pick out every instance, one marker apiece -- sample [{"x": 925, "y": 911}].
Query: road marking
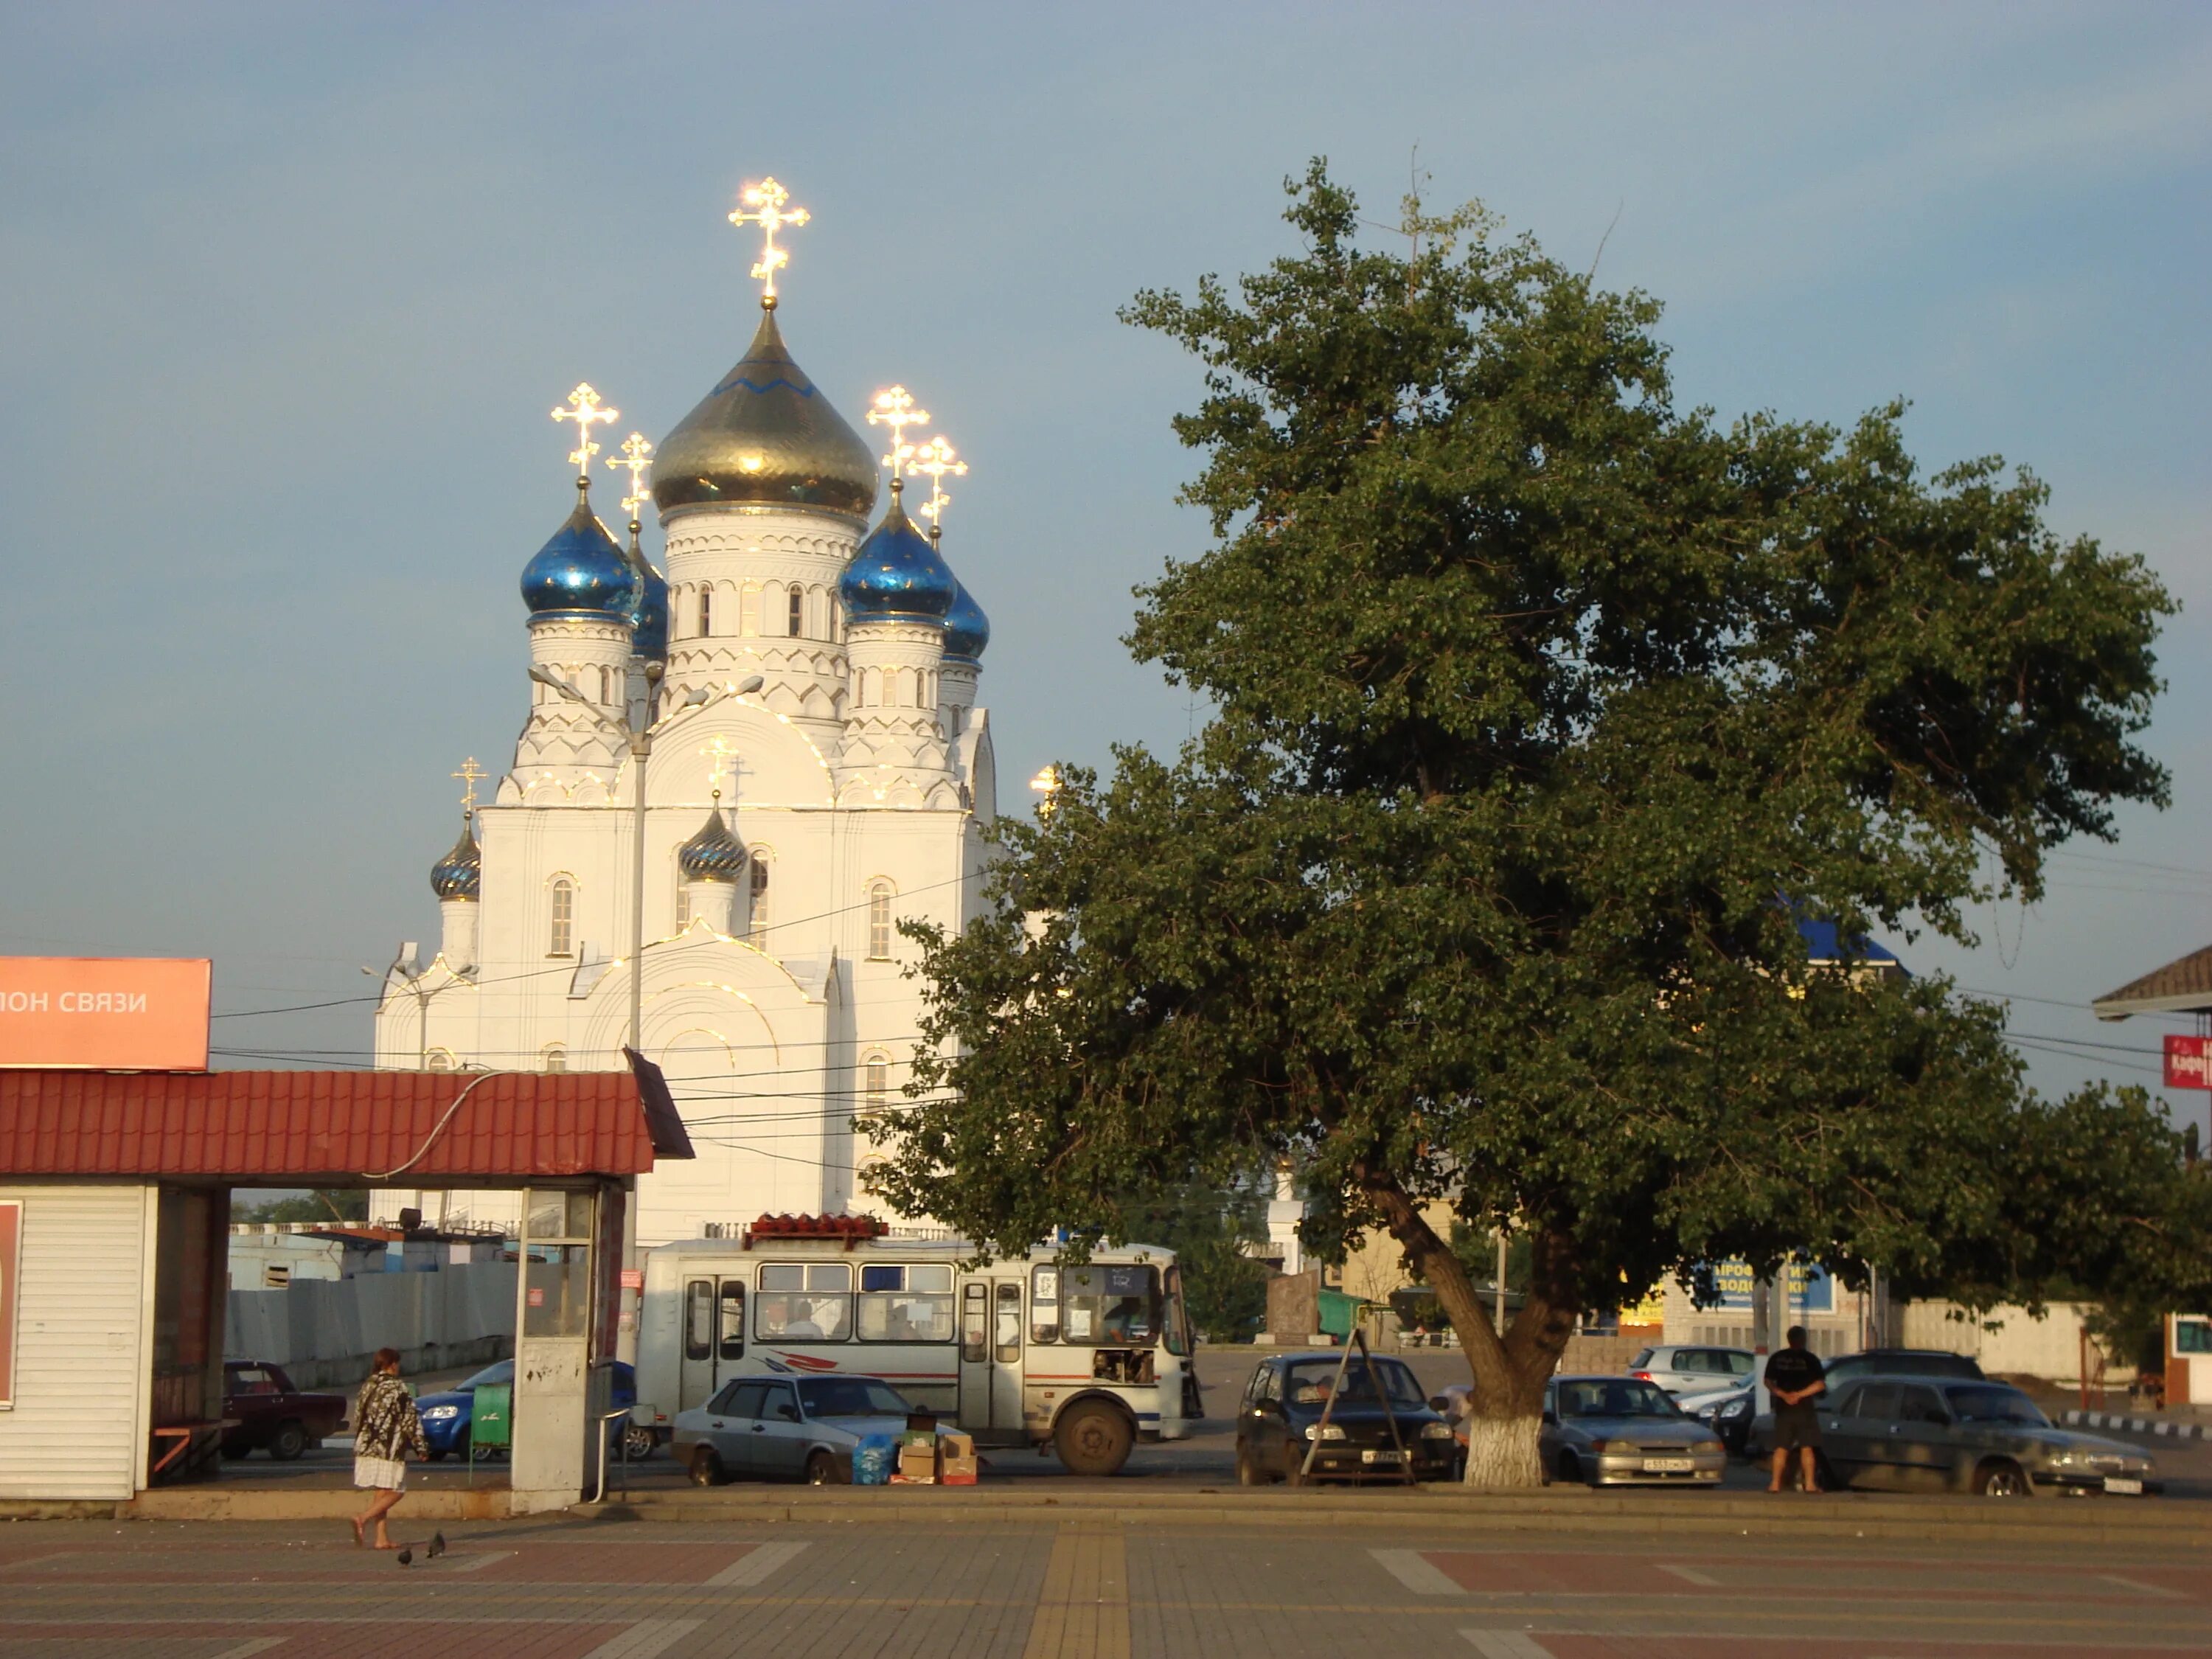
[
  {"x": 256, "y": 1644},
  {"x": 1693, "y": 1576},
  {"x": 1083, "y": 1609},
  {"x": 1506, "y": 1644},
  {"x": 763, "y": 1560},
  {"x": 2141, "y": 1589},
  {"x": 1418, "y": 1573},
  {"x": 644, "y": 1639}
]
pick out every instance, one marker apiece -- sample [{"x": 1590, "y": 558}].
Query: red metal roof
[{"x": 252, "y": 1127}]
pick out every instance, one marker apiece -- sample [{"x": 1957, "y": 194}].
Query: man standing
[{"x": 1795, "y": 1376}]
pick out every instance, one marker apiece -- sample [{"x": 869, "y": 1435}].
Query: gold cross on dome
[
  {"x": 637, "y": 456},
  {"x": 894, "y": 409},
  {"x": 470, "y": 774},
  {"x": 767, "y": 199},
  {"x": 722, "y": 764},
  {"x": 935, "y": 459},
  {"x": 584, "y": 409}
]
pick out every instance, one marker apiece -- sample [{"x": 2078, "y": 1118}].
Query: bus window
[
  {"x": 803, "y": 1302},
  {"x": 1008, "y": 1335},
  {"x": 1178, "y": 1328},
  {"x": 975, "y": 1338},
  {"x": 1110, "y": 1306},
  {"x": 1044, "y": 1305},
  {"x": 699, "y": 1319},
  {"x": 902, "y": 1303},
  {"x": 733, "y": 1319}
]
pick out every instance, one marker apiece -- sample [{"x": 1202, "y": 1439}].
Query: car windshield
[
  {"x": 1310, "y": 1382},
  {"x": 851, "y": 1396},
  {"x": 1990, "y": 1404},
  {"x": 1614, "y": 1397},
  {"x": 491, "y": 1376}
]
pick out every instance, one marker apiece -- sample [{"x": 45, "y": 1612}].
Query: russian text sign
[
  {"x": 1811, "y": 1290},
  {"x": 2188, "y": 1061},
  {"x": 94, "y": 1013}
]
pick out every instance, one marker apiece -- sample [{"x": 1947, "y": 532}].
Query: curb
[{"x": 2154, "y": 1426}]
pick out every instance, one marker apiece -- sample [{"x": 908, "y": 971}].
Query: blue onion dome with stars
[
  {"x": 967, "y": 629},
  {"x": 459, "y": 874},
  {"x": 581, "y": 571},
  {"x": 896, "y": 575},
  {"x": 713, "y": 854},
  {"x": 766, "y": 435}
]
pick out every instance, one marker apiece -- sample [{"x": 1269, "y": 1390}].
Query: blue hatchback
[{"x": 446, "y": 1416}]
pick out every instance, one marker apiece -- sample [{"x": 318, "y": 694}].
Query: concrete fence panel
[{"x": 323, "y": 1331}]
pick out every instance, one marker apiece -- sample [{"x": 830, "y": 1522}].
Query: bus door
[
  {"x": 990, "y": 1355},
  {"x": 713, "y": 1337}
]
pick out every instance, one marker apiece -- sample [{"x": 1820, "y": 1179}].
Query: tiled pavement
[{"x": 558, "y": 1590}]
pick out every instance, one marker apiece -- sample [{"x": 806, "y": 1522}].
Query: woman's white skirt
[{"x": 389, "y": 1474}]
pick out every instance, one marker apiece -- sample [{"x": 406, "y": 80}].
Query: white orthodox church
[{"x": 816, "y": 769}]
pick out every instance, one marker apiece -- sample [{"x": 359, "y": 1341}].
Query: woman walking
[{"x": 385, "y": 1433}]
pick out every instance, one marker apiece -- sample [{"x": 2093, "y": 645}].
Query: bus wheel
[{"x": 1093, "y": 1438}]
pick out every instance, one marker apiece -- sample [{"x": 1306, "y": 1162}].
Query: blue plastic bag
[{"x": 873, "y": 1459}]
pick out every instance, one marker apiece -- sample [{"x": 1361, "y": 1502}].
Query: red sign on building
[{"x": 2188, "y": 1062}]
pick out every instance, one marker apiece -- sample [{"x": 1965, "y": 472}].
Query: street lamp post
[
  {"x": 413, "y": 987},
  {"x": 638, "y": 731}
]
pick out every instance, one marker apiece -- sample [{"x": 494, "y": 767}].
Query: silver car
[
  {"x": 1614, "y": 1430},
  {"x": 785, "y": 1428},
  {"x": 1685, "y": 1368},
  {"x": 1926, "y": 1434}
]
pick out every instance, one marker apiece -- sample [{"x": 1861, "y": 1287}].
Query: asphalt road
[{"x": 573, "y": 1589}]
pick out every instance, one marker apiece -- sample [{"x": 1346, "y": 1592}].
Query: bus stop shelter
[{"x": 114, "y": 1209}]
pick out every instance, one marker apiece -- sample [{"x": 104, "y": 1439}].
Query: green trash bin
[{"x": 491, "y": 1420}]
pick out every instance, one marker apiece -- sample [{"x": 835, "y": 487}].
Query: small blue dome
[
  {"x": 967, "y": 629},
  {"x": 649, "y": 624},
  {"x": 459, "y": 874},
  {"x": 895, "y": 575},
  {"x": 580, "y": 571},
  {"x": 713, "y": 854}
]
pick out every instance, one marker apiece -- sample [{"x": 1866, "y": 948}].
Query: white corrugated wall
[{"x": 82, "y": 1362}]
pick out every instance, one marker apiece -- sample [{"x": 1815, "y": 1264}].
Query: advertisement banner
[
  {"x": 1811, "y": 1290},
  {"x": 2188, "y": 1061},
  {"x": 117, "y": 1014},
  {"x": 11, "y": 1258}
]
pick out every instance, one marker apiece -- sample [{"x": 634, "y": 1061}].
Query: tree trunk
[{"x": 1509, "y": 1374}]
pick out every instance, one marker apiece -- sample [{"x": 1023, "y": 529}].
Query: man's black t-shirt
[{"x": 1790, "y": 1370}]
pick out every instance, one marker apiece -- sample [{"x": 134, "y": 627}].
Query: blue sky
[{"x": 290, "y": 290}]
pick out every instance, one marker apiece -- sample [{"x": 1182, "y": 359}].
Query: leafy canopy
[{"x": 1546, "y": 711}]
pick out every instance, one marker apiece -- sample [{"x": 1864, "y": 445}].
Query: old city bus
[{"x": 1086, "y": 1359}]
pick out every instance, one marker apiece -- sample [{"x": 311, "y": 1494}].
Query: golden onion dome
[{"x": 765, "y": 434}]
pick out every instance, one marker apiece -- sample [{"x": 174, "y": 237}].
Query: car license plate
[
  {"x": 1668, "y": 1465},
  {"x": 1382, "y": 1456},
  {"x": 2126, "y": 1485}
]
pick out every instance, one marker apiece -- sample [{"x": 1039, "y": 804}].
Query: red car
[{"x": 268, "y": 1411}]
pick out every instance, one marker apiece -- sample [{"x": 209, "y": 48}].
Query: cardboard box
[
  {"x": 956, "y": 1460},
  {"x": 917, "y": 1461}
]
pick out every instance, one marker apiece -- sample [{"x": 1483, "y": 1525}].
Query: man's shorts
[{"x": 1797, "y": 1425}]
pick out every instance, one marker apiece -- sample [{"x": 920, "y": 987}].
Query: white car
[
  {"x": 1694, "y": 1367},
  {"x": 785, "y": 1428}
]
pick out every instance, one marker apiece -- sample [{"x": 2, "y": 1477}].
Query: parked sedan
[
  {"x": 1692, "y": 1368},
  {"x": 1755, "y": 1417},
  {"x": 1613, "y": 1430},
  {"x": 1921, "y": 1434},
  {"x": 447, "y": 1416},
  {"x": 1279, "y": 1420},
  {"x": 776, "y": 1428},
  {"x": 268, "y": 1412}
]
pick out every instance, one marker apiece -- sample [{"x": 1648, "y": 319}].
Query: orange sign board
[{"x": 106, "y": 1013}]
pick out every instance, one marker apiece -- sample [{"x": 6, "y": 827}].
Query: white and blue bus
[{"x": 1087, "y": 1360}]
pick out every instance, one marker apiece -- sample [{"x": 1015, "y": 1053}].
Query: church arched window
[
  {"x": 554, "y": 1060},
  {"x": 683, "y": 902},
  {"x": 875, "y": 1082},
  {"x": 756, "y": 918},
  {"x": 706, "y": 611},
  {"x": 798, "y": 611},
  {"x": 438, "y": 1060},
  {"x": 561, "y": 932},
  {"x": 879, "y": 920}
]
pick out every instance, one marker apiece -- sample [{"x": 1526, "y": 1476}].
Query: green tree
[
  {"x": 1207, "y": 1227},
  {"x": 1546, "y": 712},
  {"x": 332, "y": 1205}
]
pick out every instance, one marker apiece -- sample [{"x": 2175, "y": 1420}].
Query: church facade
[{"x": 817, "y": 768}]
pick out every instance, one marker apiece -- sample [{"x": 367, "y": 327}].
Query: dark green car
[{"x": 1927, "y": 1434}]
